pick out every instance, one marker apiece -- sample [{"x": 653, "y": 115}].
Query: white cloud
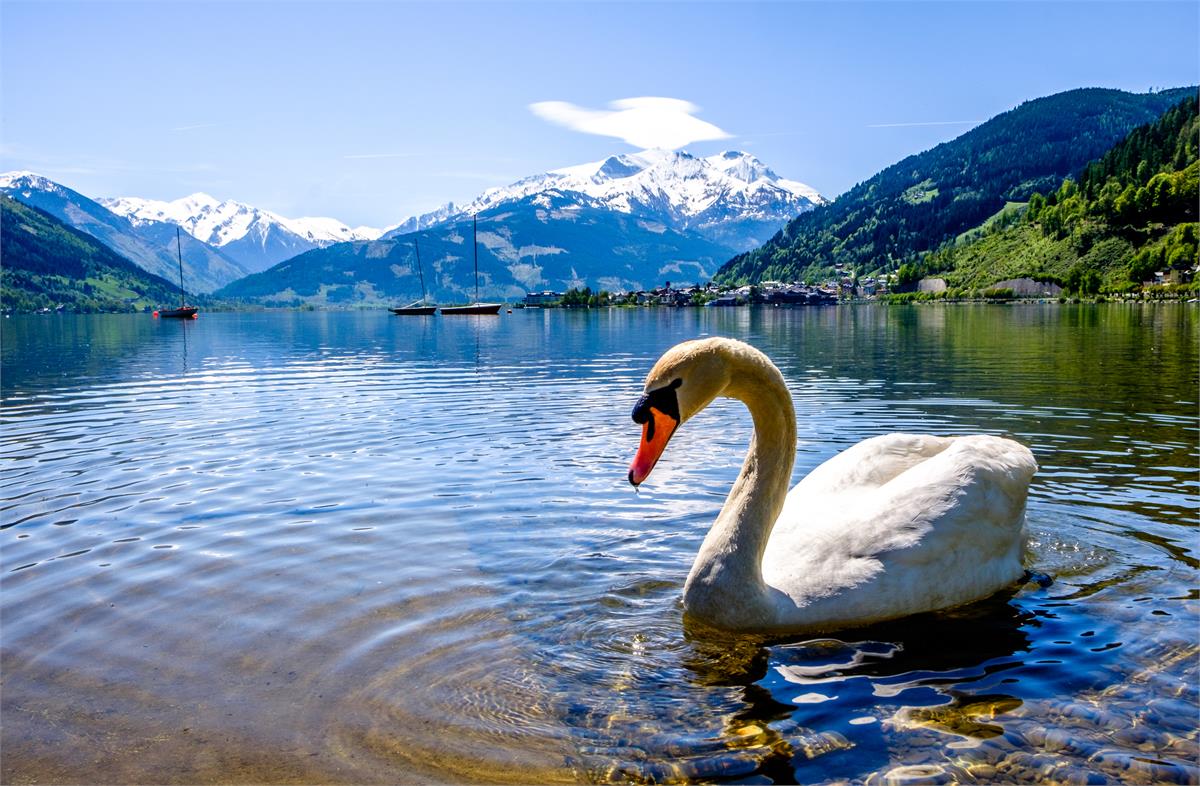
[{"x": 646, "y": 122}]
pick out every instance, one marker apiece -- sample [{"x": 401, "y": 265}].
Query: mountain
[
  {"x": 1130, "y": 214},
  {"x": 627, "y": 222},
  {"x": 150, "y": 245},
  {"x": 929, "y": 198},
  {"x": 548, "y": 240},
  {"x": 254, "y": 237},
  {"x": 47, "y": 264},
  {"x": 443, "y": 214},
  {"x": 731, "y": 199}
]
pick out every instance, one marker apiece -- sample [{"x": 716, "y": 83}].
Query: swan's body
[{"x": 895, "y": 525}]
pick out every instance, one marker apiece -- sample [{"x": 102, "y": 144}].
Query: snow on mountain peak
[
  {"x": 8, "y": 178},
  {"x": 323, "y": 230},
  {"x": 742, "y": 166},
  {"x": 671, "y": 182},
  {"x": 200, "y": 198},
  {"x": 220, "y": 223},
  {"x": 615, "y": 167},
  {"x": 27, "y": 179},
  {"x": 714, "y": 195}
]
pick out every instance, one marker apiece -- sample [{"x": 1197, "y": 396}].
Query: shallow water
[{"x": 355, "y": 548}]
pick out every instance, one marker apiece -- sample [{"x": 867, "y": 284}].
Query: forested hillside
[
  {"x": 1130, "y": 214},
  {"x": 47, "y": 264},
  {"x": 151, "y": 245},
  {"x": 927, "y": 199}
]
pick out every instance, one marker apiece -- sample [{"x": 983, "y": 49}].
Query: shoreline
[{"x": 883, "y": 301}]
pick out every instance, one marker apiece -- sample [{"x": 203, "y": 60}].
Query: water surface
[{"x": 356, "y": 548}]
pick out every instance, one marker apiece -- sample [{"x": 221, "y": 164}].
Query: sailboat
[
  {"x": 413, "y": 309},
  {"x": 184, "y": 311},
  {"x": 476, "y": 307}
]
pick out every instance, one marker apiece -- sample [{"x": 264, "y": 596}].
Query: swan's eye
[{"x": 663, "y": 399}]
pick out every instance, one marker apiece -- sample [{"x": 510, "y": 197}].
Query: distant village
[
  {"x": 714, "y": 296},
  {"x": 1171, "y": 283}
]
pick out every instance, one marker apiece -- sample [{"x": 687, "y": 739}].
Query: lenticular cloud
[{"x": 648, "y": 122}]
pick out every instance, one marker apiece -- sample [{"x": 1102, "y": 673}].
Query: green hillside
[
  {"x": 151, "y": 245},
  {"x": 1131, "y": 214},
  {"x": 46, "y": 264},
  {"x": 921, "y": 202}
]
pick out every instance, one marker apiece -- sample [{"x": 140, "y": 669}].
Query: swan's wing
[
  {"x": 970, "y": 496},
  {"x": 870, "y": 464},
  {"x": 826, "y": 495},
  {"x": 945, "y": 529}
]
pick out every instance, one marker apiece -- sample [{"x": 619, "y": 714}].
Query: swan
[{"x": 895, "y": 525}]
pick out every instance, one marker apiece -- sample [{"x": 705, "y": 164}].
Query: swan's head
[{"x": 684, "y": 381}]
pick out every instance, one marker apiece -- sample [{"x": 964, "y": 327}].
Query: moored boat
[
  {"x": 417, "y": 308},
  {"x": 184, "y": 311},
  {"x": 476, "y": 307},
  {"x": 414, "y": 310}
]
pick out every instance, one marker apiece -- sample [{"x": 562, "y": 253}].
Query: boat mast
[
  {"x": 475, "y": 242},
  {"x": 420, "y": 273},
  {"x": 179, "y": 251}
]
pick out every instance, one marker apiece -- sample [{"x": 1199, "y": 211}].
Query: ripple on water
[{"x": 333, "y": 547}]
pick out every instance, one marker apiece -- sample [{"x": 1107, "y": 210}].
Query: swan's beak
[{"x": 656, "y": 432}]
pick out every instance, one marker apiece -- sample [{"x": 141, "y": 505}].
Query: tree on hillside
[
  {"x": 925, "y": 200},
  {"x": 1131, "y": 214}
]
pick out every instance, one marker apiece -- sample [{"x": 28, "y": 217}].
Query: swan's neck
[{"x": 725, "y": 585}]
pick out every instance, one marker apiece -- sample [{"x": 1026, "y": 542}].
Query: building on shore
[{"x": 541, "y": 299}]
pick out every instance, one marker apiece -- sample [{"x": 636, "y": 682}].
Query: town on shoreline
[{"x": 1170, "y": 285}]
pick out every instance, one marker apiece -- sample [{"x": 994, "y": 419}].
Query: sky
[{"x": 370, "y": 112}]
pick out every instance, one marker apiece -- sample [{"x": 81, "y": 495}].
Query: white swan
[{"x": 895, "y": 525}]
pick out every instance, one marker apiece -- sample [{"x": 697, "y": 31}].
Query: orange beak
[{"x": 656, "y": 433}]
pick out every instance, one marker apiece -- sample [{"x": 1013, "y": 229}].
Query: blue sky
[{"x": 371, "y": 112}]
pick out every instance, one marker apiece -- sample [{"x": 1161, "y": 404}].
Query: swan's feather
[{"x": 898, "y": 524}]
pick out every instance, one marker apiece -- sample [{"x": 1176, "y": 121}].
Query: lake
[{"x": 357, "y": 548}]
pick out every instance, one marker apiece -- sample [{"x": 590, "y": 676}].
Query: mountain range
[
  {"x": 254, "y": 237},
  {"x": 549, "y": 240},
  {"x": 626, "y": 222},
  {"x": 151, "y": 245},
  {"x": 731, "y": 198}
]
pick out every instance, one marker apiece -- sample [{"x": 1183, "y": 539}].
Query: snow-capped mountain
[
  {"x": 28, "y": 183},
  {"x": 548, "y": 240},
  {"x": 628, "y": 222},
  {"x": 446, "y": 212},
  {"x": 731, "y": 198},
  {"x": 151, "y": 245},
  {"x": 255, "y": 237}
]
